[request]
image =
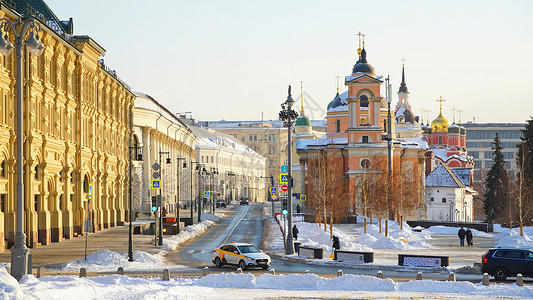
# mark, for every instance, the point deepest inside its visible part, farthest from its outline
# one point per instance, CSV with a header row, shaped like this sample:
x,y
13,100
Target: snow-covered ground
x,y
245,286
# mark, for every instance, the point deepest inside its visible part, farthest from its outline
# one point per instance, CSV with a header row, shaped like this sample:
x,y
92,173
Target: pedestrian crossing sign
x,y
284,178
303,198
273,190
156,184
207,194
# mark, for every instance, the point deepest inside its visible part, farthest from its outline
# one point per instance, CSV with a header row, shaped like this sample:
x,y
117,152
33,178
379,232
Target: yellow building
x,y
77,132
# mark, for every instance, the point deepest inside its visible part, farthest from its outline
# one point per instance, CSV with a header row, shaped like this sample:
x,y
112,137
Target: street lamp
x,y
214,171
288,116
19,251
178,190
160,242
201,170
389,150
130,230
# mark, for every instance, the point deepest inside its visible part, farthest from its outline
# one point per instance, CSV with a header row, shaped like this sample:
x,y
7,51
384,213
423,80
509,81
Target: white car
x,y
240,254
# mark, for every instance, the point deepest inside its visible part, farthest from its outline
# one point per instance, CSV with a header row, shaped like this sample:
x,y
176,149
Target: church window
x,y
365,139
443,200
432,199
364,100
338,125
365,164
440,140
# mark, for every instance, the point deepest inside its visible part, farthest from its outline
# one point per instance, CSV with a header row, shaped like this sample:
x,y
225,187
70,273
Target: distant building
x,y
480,139
449,194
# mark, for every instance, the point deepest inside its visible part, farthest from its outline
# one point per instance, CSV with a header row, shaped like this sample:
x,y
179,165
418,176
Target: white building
x,y
449,196
232,169
161,144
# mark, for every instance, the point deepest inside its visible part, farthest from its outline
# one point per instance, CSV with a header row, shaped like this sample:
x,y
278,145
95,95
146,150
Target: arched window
x,y
85,184
3,169
37,172
364,100
440,140
432,199
385,125
443,200
338,125
136,148
365,139
365,164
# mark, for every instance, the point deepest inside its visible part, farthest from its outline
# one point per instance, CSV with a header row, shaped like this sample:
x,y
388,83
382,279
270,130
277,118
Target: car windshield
x,y
248,249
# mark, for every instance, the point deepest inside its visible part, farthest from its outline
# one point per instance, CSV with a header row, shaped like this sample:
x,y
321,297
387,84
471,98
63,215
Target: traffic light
x,y
284,209
154,203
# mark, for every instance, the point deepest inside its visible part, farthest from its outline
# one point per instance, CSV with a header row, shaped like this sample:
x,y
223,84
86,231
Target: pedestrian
x,y
295,232
336,243
469,237
298,208
462,235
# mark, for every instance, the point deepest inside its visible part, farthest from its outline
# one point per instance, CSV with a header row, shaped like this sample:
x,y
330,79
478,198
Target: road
x,y
242,223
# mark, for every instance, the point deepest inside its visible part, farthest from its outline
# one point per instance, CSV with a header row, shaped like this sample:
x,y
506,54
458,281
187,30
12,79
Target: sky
x,y
233,60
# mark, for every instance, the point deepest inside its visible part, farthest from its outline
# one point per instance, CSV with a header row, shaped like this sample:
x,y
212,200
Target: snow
x,y
242,286
453,231
512,239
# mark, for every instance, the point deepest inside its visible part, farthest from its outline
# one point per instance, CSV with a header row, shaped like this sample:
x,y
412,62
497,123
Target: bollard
x,y
307,272
519,280
419,276
239,270
339,273
273,272
40,272
379,275
486,279
83,272
120,271
451,276
166,275
205,271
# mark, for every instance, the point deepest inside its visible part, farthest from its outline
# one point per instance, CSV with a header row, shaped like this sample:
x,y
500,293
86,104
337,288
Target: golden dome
x,y
440,124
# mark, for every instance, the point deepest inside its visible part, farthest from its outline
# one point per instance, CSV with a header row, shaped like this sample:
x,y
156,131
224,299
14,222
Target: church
x,y
347,170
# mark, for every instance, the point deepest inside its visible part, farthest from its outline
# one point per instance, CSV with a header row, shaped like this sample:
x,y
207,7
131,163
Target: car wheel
x,y
242,265
501,273
218,263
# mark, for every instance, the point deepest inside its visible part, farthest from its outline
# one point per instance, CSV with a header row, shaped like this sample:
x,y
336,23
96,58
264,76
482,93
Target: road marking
x,y
236,224
190,251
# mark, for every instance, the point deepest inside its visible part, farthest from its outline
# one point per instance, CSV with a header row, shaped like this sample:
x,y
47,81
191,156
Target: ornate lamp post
x,y
178,190
19,251
160,242
212,183
288,116
389,152
130,231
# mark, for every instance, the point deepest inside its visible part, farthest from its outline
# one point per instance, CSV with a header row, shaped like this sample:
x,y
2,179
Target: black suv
x,y
244,201
502,263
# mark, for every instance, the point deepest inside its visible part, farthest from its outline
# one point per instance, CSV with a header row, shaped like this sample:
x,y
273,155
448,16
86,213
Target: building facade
x,y
163,148
480,139
76,126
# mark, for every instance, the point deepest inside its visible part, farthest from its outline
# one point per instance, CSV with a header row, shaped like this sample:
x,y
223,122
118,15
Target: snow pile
x,y
453,231
241,286
9,286
272,237
512,239
173,242
105,260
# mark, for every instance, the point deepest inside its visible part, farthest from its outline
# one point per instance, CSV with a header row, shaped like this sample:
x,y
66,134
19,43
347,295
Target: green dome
x,y
453,128
426,129
302,121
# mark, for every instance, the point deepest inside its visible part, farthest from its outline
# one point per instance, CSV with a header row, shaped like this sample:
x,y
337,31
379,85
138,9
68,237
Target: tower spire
x,y
302,97
403,85
337,77
453,114
440,102
359,49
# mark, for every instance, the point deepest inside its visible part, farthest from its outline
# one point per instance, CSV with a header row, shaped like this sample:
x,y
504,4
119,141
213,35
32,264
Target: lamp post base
x,y
19,262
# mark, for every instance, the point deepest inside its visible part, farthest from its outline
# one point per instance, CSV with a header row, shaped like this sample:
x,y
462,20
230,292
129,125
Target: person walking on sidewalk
x,y
469,237
295,232
462,235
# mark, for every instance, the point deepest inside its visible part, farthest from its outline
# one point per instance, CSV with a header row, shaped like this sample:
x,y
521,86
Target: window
x,y
432,199
365,163
255,137
443,200
338,125
364,100
37,172
365,139
36,199
3,203
251,137
3,169
440,140
85,184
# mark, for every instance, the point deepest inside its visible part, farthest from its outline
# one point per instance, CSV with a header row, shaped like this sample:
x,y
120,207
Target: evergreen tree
x,y
524,161
497,184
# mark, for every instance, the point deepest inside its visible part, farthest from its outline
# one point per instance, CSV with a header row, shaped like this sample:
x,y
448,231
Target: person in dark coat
x,y
295,232
469,237
462,235
336,243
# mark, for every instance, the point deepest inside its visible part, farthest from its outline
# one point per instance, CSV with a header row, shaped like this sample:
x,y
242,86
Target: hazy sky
x,y
233,60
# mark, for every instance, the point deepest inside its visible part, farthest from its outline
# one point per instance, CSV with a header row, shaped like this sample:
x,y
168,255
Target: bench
x,y
353,256
311,252
423,260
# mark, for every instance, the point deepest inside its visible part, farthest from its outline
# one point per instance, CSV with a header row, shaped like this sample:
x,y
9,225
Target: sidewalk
x,y
114,239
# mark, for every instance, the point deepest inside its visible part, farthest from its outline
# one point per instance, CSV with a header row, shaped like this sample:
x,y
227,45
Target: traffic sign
x,y
303,198
156,166
156,175
284,187
207,194
283,178
284,168
273,190
274,197
156,184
